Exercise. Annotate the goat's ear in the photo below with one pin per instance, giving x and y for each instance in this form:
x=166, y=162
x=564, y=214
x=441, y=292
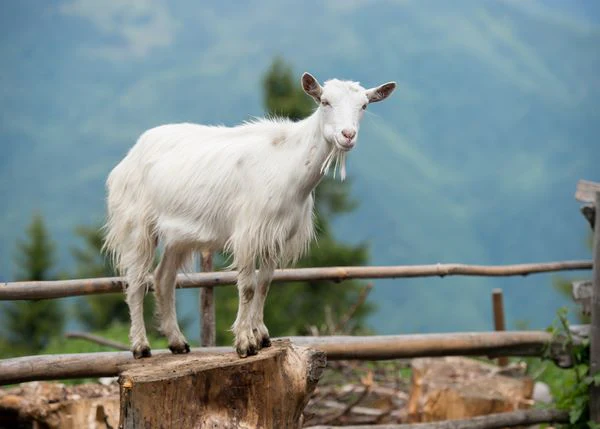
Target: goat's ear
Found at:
x=381, y=92
x=311, y=86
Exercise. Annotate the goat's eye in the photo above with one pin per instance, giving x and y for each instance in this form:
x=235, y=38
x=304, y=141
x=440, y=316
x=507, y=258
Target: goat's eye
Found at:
x=364, y=106
x=325, y=103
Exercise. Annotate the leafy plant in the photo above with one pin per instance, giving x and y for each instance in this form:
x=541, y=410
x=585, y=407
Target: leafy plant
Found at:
x=573, y=393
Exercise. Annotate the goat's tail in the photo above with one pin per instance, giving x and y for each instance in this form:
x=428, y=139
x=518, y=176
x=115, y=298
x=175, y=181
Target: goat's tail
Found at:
x=130, y=235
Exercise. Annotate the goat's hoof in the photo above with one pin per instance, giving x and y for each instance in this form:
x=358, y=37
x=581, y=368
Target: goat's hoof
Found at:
x=180, y=349
x=142, y=352
x=266, y=342
x=245, y=352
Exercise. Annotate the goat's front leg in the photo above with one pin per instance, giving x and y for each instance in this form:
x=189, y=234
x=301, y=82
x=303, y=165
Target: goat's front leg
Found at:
x=246, y=343
x=265, y=275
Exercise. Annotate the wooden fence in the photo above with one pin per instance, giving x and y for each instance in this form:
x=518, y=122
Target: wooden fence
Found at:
x=381, y=347
x=492, y=344
x=33, y=290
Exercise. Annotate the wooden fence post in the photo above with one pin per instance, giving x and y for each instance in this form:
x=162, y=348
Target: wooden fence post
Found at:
x=595, y=326
x=207, y=306
x=589, y=193
x=498, y=307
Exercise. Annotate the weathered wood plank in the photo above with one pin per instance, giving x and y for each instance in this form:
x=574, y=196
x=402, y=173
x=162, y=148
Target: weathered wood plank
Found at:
x=491, y=421
x=31, y=290
x=491, y=344
x=586, y=191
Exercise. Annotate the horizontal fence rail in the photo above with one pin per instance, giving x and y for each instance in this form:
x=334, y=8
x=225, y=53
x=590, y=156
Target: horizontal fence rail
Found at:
x=381, y=347
x=32, y=290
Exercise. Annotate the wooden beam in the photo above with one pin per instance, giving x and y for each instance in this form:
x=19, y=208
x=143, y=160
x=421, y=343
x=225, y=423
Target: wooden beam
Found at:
x=32, y=290
x=595, y=325
x=490, y=421
x=586, y=191
x=491, y=344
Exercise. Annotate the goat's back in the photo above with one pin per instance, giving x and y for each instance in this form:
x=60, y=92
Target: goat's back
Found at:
x=213, y=184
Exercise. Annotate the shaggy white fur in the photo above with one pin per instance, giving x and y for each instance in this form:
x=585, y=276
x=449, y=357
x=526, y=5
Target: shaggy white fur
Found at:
x=246, y=190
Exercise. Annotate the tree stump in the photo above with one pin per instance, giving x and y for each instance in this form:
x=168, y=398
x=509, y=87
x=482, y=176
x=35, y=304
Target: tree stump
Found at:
x=269, y=390
x=456, y=387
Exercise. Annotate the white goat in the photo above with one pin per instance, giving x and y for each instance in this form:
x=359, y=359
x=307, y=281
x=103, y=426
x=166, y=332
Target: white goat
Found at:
x=246, y=189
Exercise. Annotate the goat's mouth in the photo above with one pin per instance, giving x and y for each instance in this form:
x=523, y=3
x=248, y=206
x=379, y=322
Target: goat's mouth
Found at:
x=345, y=146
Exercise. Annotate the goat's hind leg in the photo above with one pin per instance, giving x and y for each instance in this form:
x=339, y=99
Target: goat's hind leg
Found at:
x=136, y=289
x=164, y=289
x=137, y=257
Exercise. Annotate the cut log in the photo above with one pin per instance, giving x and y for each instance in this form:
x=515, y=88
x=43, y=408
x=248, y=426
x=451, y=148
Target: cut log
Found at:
x=458, y=388
x=269, y=390
x=56, y=406
x=492, y=421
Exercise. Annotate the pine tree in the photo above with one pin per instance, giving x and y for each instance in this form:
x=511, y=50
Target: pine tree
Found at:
x=35, y=257
x=99, y=312
x=29, y=325
x=282, y=94
x=292, y=308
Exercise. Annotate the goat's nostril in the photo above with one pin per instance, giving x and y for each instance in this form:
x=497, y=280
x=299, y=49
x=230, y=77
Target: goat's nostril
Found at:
x=349, y=134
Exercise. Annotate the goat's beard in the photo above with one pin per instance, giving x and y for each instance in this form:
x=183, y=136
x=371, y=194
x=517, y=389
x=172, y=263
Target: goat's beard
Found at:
x=337, y=157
